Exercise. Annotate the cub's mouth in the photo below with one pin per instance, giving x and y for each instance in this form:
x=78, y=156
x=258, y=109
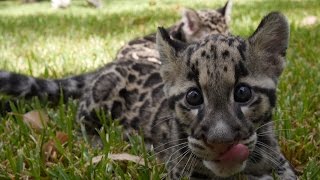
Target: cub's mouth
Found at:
x=223, y=159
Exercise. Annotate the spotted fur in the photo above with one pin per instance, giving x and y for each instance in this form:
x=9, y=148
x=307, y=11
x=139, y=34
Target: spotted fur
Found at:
x=189, y=139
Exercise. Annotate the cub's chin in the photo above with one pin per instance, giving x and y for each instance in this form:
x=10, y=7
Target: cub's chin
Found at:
x=225, y=169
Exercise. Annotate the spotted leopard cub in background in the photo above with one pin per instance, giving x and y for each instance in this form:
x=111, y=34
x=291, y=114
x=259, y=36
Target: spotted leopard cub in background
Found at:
x=193, y=26
x=206, y=108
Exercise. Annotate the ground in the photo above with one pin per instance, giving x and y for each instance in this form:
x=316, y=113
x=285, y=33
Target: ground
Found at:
x=39, y=41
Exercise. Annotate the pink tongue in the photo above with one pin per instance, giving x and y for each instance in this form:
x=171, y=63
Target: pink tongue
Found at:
x=237, y=153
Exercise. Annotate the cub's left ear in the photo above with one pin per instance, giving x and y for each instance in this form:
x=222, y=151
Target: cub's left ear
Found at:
x=270, y=40
x=191, y=21
x=167, y=47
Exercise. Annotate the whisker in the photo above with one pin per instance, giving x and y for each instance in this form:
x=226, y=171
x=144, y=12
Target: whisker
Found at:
x=270, y=157
x=272, y=131
x=271, y=122
x=169, y=142
x=168, y=148
x=177, y=163
x=267, y=147
x=192, y=165
x=181, y=175
x=270, y=162
x=263, y=125
x=173, y=154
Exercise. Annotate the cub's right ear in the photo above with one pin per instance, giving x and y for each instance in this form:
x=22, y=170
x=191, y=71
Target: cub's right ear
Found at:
x=226, y=11
x=167, y=47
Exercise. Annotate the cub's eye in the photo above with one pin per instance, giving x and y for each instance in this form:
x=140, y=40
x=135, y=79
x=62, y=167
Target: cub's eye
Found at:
x=242, y=93
x=194, y=97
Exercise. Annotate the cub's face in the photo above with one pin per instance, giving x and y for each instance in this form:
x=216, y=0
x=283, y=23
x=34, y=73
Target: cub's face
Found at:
x=222, y=90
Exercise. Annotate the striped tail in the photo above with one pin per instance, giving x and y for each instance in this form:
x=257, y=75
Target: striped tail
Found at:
x=19, y=85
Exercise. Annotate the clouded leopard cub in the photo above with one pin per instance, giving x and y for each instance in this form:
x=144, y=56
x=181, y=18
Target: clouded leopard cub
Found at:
x=194, y=25
x=207, y=108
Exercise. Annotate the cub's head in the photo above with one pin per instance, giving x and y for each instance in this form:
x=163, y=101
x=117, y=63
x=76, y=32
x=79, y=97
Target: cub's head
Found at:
x=222, y=90
x=195, y=25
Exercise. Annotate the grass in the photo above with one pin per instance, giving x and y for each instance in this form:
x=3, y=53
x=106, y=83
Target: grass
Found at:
x=39, y=41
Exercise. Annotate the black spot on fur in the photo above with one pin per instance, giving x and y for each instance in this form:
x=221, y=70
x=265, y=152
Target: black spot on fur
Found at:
x=34, y=90
x=230, y=41
x=240, y=71
x=225, y=54
x=142, y=96
x=173, y=99
x=116, y=110
x=124, y=122
x=157, y=94
x=144, y=112
x=135, y=123
x=203, y=53
x=208, y=71
x=103, y=86
x=242, y=48
x=131, y=78
x=225, y=68
x=143, y=69
x=270, y=93
x=190, y=76
x=239, y=113
x=121, y=71
x=80, y=81
x=213, y=50
x=152, y=80
x=195, y=72
x=126, y=50
x=200, y=114
x=130, y=97
x=14, y=84
x=189, y=54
